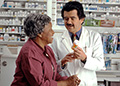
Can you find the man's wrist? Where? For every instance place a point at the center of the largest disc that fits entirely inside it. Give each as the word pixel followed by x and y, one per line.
pixel 84 61
pixel 63 66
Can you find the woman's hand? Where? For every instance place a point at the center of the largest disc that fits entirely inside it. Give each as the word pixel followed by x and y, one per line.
pixel 73 81
pixel 67 58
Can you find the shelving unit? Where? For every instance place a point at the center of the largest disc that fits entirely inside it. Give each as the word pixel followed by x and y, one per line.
pixel 96 10
pixel 13 13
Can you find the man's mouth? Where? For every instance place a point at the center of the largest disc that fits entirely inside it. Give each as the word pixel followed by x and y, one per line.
pixel 70 25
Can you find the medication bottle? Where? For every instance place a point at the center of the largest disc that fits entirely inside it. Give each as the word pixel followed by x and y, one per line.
pixel 22 37
pixel 75 44
pixel 1 29
pixel 108 63
pixel 118 65
pixel 6 37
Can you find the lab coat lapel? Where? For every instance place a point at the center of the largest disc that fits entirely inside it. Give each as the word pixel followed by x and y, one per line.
pixel 84 38
pixel 66 40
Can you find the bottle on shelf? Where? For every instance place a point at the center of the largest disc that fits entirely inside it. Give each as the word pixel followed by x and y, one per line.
pixel 6 37
pixel 22 38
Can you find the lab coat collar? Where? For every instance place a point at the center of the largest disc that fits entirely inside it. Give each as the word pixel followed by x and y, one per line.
pixel 84 38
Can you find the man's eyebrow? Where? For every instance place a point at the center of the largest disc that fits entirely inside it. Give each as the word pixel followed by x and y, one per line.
pixel 73 17
pixel 70 17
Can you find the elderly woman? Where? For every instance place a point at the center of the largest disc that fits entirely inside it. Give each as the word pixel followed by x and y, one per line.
pixel 36 64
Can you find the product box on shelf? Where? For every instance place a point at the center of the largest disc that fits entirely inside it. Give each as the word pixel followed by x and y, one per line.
pixel 60 22
pixel 92 22
pixel 118 44
pixel 107 23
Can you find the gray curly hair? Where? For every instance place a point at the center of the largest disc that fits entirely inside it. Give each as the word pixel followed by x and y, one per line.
pixel 34 24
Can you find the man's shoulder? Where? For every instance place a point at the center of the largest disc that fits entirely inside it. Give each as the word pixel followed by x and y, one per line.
pixel 93 32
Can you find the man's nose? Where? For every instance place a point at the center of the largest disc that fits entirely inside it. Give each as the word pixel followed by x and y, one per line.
pixel 69 21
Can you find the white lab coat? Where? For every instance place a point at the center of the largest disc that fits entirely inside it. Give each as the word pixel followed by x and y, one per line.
pixel 94 50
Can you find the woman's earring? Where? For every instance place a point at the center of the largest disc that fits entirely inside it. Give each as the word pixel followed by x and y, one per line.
pixel 40 35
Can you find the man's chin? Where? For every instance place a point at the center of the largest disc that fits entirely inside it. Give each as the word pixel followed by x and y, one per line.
pixel 69 28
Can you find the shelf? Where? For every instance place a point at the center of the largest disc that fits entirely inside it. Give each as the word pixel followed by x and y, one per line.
pixel 114 11
pixel 109 71
pixel 90 27
pixel 11 25
pixel 97 18
pixel 44 1
pixel 8 8
pixel 97 3
pixel 5 16
pixel 1 53
pixel 100 11
pixel 102 3
pixel 58 29
pixel 108 78
pixel 102 30
pixel 12 43
pixel 59 10
pixel 108 28
pixel 105 30
pixel 96 11
pixel 115 29
pixel 11 33
pixel 62 2
pixel 117 55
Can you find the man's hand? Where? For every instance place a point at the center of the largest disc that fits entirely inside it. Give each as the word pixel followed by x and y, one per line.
pixel 79 54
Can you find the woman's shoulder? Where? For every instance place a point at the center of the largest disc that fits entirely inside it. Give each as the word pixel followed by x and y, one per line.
pixel 49 48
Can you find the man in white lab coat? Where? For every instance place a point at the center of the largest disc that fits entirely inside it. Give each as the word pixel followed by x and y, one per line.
pixel 88 56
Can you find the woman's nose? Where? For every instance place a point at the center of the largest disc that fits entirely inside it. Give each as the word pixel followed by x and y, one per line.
pixel 53 32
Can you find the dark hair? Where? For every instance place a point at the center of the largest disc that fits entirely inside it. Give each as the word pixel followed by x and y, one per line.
pixel 73 5
pixel 34 24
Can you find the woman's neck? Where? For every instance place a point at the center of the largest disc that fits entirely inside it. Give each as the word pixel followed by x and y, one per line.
pixel 39 42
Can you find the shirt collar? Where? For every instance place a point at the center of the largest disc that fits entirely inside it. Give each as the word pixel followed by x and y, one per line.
pixel 38 46
pixel 77 33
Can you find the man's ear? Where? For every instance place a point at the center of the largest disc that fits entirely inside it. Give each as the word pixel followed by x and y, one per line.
pixel 82 20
